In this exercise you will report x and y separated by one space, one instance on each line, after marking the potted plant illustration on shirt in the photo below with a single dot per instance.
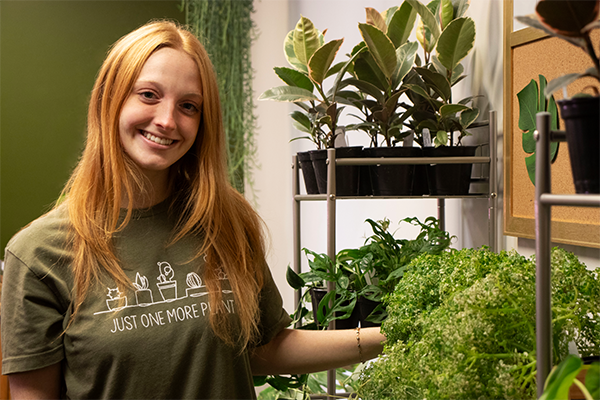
166 284
143 294
115 302
194 283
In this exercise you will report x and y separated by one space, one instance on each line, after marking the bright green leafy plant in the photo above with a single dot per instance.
462 325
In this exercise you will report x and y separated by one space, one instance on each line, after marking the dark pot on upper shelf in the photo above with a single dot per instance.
449 179
347 177
392 180
316 295
582 123
308 172
366 307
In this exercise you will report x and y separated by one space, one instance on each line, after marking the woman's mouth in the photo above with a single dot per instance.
156 139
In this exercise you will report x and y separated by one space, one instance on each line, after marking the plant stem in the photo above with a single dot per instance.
592 53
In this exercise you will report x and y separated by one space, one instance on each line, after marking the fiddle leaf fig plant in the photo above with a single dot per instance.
446 37
311 59
571 21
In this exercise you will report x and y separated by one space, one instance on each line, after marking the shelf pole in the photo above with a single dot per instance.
493 184
441 212
542 250
331 193
296 228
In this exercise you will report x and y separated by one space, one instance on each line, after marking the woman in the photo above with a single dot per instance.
149 279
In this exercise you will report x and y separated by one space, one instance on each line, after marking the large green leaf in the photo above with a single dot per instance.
290 55
293 279
388 14
592 380
376 19
301 121
427 17
469 116
306 40
322 59
402 24
288 93
455 42
367 88
366 69
437 82
294 78
381 47
561 378
405 58
460 7
530 166
449 109
528 105
446 12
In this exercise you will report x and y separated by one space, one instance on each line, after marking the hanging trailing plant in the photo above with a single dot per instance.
226 30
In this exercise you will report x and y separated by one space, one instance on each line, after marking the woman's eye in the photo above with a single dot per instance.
147 95
189 107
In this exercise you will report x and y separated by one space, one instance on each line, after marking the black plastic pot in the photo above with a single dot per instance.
392 180
316 295
308 173
366 307
347 177
449 179
582 123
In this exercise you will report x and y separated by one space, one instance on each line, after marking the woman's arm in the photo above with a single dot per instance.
295 351
43 383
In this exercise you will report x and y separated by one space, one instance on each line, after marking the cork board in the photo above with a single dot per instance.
527 55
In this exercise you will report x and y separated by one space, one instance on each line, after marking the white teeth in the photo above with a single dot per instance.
156 139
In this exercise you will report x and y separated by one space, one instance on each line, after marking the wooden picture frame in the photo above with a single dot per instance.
527 53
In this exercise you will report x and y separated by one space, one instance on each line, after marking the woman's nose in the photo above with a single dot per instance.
165 116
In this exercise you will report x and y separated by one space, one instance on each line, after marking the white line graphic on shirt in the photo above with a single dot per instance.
167 286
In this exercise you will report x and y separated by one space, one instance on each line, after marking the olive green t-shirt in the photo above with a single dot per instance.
151 342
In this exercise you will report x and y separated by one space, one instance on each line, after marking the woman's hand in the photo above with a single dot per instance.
43 383
295 351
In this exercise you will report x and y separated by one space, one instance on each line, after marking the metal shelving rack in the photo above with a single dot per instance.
330 198
544 200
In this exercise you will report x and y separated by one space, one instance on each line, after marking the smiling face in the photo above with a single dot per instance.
160 118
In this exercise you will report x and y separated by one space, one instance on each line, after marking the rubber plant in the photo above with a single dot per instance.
532 101
378 73
225 27
447 37
311 59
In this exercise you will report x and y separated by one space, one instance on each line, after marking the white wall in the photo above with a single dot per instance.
465 219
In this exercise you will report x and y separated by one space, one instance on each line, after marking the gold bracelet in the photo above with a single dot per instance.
357 329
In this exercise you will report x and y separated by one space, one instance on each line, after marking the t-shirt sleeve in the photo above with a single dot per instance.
32 319
273 317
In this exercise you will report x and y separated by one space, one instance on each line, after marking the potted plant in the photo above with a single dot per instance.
166 285
311 60
446 37
378 76
143 294
573 21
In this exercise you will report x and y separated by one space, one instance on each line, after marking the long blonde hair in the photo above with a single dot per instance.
209 208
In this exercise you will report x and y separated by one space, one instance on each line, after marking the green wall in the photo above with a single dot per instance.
50 52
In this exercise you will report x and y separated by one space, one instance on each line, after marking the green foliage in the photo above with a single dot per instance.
565 374
531 102
226 29
371 271
462 325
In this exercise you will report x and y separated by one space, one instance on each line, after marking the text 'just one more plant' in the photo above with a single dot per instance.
311 60
572 21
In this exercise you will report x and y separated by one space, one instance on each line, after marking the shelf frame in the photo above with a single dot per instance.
544 201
